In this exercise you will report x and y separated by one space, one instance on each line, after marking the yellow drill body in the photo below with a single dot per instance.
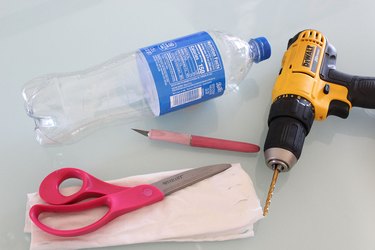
300 74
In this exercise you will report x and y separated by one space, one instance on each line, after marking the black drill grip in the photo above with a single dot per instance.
361 90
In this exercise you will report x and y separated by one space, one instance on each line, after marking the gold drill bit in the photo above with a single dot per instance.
270 191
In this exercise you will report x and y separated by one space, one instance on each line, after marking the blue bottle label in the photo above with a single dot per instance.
186 71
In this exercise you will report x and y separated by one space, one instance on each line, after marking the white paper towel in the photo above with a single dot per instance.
221 207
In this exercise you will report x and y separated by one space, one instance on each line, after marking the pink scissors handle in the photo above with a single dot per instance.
118 203
91 187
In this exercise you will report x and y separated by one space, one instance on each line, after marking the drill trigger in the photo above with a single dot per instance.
338 108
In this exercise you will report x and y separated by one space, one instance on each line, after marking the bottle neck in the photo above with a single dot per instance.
254 51
260 49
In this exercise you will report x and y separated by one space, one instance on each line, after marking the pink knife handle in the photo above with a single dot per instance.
163 135
91 186
206 142
118 203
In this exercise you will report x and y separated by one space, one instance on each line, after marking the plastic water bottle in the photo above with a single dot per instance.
148 82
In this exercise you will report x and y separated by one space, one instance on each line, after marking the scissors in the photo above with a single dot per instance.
118 199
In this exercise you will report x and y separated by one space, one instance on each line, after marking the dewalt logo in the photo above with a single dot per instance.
309 52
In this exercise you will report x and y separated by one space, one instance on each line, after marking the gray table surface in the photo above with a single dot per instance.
325 202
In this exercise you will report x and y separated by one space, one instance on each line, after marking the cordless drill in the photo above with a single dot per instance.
308 87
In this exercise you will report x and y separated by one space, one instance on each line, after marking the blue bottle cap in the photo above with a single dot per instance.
260 49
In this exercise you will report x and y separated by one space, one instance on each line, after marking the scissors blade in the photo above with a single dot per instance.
182 180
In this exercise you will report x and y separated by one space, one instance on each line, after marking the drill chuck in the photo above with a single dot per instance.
289 122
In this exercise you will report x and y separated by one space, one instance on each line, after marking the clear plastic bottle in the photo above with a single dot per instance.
148 82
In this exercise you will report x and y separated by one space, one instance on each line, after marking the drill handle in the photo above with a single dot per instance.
361 90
